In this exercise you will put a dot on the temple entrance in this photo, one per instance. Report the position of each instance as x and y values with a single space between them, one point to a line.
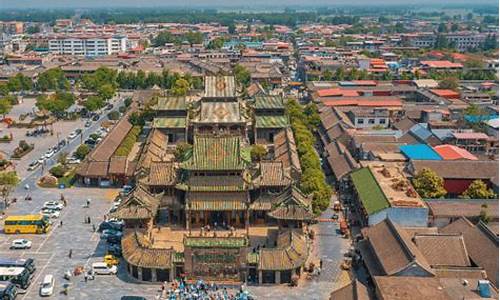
218 218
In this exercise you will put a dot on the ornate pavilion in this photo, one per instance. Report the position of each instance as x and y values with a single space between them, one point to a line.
215 214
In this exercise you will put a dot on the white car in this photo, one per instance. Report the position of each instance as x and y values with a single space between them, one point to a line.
74 161
20 244
101 268
47 285
49 153
50 213
41 160
72 135
33 165
54 205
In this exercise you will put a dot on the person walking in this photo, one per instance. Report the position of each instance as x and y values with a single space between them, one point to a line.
61 223
70 253
93 227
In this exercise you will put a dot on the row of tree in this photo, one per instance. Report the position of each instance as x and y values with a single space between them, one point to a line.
313 179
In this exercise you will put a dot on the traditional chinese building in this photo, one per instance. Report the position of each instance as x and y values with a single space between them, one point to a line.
214 213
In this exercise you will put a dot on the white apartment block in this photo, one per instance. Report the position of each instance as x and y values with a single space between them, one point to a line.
88 46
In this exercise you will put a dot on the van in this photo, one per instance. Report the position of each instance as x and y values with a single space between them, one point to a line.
101 268
47 285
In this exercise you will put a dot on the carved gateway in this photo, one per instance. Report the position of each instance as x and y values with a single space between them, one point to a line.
215 258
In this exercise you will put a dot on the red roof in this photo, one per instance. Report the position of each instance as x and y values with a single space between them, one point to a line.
365 102
338 93
441 64
445 93
452 152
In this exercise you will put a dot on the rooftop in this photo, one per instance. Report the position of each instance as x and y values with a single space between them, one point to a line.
395 186
369 191
419 152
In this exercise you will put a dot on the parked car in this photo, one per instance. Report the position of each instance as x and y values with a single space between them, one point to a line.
100 268
20 244
47 285
53 205
50 213
74 161
72 135
95 118
88 124
49 153
33 165
78 131
41 160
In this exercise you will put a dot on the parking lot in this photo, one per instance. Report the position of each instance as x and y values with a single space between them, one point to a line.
51 250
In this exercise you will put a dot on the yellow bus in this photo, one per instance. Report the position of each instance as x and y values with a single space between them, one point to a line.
26 224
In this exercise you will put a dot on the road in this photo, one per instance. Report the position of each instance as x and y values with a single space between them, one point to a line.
34 175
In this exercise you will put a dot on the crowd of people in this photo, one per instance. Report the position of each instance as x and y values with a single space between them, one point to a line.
180 290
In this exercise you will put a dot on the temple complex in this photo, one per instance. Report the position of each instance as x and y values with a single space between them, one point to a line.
213 212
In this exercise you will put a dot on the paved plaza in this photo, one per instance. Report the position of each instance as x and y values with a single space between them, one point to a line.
51 250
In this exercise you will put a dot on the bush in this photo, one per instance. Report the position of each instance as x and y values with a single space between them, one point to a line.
82 151
114 115
57 171
258 152
128 142
181 150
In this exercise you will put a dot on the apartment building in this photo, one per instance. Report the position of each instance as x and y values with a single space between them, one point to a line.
87 45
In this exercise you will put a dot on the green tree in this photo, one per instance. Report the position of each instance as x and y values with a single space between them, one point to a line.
442 28
5 106
55 103
483 214
450 83
82 151
258 152
106 91
8 180
478 190
63 159
216 43
242 75
94 103
327 75
181 87
181 151
428 184
52 79
57 171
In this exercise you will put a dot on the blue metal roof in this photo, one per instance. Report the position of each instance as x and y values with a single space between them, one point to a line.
419 152
479 118
420 131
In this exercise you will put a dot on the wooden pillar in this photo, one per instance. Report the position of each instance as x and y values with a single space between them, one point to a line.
238 223
153 275
228 216
197 216
205 215
247 221
172 273
260 277
277 277
188 219
139 273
